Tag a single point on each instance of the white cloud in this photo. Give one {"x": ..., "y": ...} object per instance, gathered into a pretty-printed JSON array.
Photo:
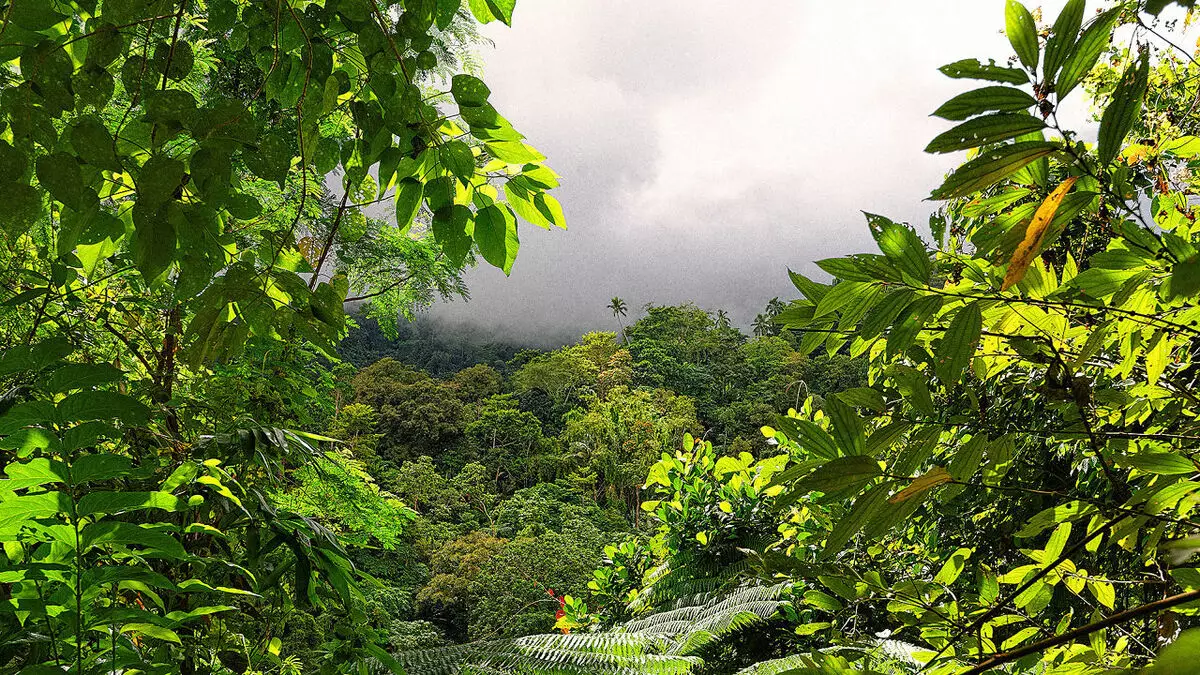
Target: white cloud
[{"x": 707, "y": 146}]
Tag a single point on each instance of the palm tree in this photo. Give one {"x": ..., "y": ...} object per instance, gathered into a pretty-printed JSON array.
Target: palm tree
[
  {"x": 774, "y": 307},
  {"x": 762, "y": 325},
  {"x": 617, "y": 305},
  {"x": 722, "y": 319}
]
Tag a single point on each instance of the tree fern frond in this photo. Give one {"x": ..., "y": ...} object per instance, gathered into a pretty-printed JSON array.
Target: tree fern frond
[{"x": 663, "y": 643}]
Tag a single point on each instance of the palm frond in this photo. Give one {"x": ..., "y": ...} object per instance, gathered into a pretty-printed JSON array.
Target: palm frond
[{"x": 663, "y": 643}]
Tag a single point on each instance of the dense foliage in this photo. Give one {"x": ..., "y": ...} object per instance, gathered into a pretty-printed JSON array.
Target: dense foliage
[{"x": 985, "y": 464}]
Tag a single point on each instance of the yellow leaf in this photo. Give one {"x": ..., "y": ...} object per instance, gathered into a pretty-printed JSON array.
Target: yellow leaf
[
  {"x": 932, "y": 478},
  {"x": 1034, "y": 234}
]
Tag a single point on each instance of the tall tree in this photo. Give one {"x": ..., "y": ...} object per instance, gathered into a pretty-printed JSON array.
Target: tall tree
[{"x": 617, "y": 306}]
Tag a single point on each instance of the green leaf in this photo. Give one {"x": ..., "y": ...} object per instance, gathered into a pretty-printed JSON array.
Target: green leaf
[
  {"x": 973, "y": 69},
  {"x": 547, "y": 205},
  {"x": 901, "y": 245},
  {"x": 470, "y": 91},
  {"x": 958, "y": 345},
  {"x": 822, "y": 601},
  {"x": 60, "y": 174},
  {"x": 863, "y": 397},
  {"x": 74, "y": 376},
  {"x": 1084, "y": 54},
  {"x": 21, "y": 208},
  {"x": 866, "y": 508},
  {"x": 967, "y": 458},
  {"x": 910, "y": 322},
  {"x": 486, "y": 11},
  {"x": 102, "y": 405},
  {"x": 408, "y": 201},
  {"x": 1185, "y": 277},
  {"x": 1022, "y": 32},
  {"x": 848, "y": 427},
  {"x": 983, "y": 100},
  {"x": 985, "y": 131},
  {"x": 953, "y": 567},
  {"x": 1124, "y": 108},
  {"x": 152, "y": 631},
  {"x": 100, "y": 466},
  {"x": 1062, "y": 37},
  {"x": 108, "y": 533},
  {"x": 1180, "y": 656},
  {"x": 809, "y": 436},
  {"x": 513, "y": 152},
  {"x": 456, "y": 156},
  {"x": 990, "y": 167},
  {"x": 450, "y": 232},
  {"x": 1159, "y": 463},
  {"x": 35, "y": 357},
  {"x": 110, "y": 503},
  {"x": 843, "y": 473},
  {"x": 520, "y": 198},
  {"x": 496, "y": 235},
  {"x": 154, "y": 241}
]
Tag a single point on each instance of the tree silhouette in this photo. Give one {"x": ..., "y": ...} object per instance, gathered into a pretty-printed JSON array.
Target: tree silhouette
[
  {"x": 763, "y": 326},
  {"x": 617, "y": 305},
  {"x": 722, "y": 319}
]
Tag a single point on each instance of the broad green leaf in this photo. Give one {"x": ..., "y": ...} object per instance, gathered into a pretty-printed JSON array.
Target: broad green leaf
[
  {"x": 991, "y": 167},
  {"x": 985, "y": 100},
  {"x": 959, "y": 342},
  {"x": 1103, "y": 591},
  {"x": 154, "y": 543},
  {"x": 469, "y": 90},
  {"x": 1123, "y": 109},
  {"x": 1082, "y": 57},
  {"x": 449, "y": 227},
  {"x": 152, "y": 631},
  {"x": 100, "y": 466},
  {"x": 496, "y": 236},
  {"x": 102, "y": 405},
  {"x": 973, "y": 69},
  {"x": 1022, "y": 32},
  {"x": 985, "y": 130},
  {"x": 1062, "y": 37},
  {"x": 408, "y": 201},
  {"x": 863, "y": 397},
  {"x": 457, "y": 157},
  {"x": 953, "y": 567},
  {"x": 901, "y": 245},
  {"x": 843, "y": 473},
  {"x": 910, "y": 322},
  {"x": 110, "y": 503},
  {"x": 74, "y": 376},
  {"x": 1160, "y": 463},
  {"x": 486, "y": 11},
  {"x": 1181, "y": 655},
  {"x": 967, "y": 458},
  {"x": 848, "y": 427},
  {"x": 822, "y": 601},
  {"x": 809, "y": 436},
  {"x": 867, "y": 507}
]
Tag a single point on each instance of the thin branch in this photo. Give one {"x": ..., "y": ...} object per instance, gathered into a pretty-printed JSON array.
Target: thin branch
[{"x": 1071, "y": 635}]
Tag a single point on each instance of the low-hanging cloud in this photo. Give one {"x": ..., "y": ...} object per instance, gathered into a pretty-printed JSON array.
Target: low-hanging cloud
[{"x": 706, "y": 147}]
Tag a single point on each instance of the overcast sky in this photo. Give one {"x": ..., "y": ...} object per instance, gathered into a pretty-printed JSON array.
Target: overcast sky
[{"x": 707, "y": 146}]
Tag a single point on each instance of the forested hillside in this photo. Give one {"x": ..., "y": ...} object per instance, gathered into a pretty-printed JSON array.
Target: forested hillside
[{"x": 228, "y": 448}]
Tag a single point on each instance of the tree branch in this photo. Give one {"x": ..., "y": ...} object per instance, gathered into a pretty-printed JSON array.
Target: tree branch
[{"x": 1071, "y": 635}]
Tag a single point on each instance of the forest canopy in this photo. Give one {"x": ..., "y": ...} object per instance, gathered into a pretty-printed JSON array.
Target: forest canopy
[{"x": 226, "y": 448}]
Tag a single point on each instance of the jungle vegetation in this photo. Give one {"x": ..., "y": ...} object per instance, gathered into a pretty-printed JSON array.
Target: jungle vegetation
[{"x": 972, "y": 451}]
